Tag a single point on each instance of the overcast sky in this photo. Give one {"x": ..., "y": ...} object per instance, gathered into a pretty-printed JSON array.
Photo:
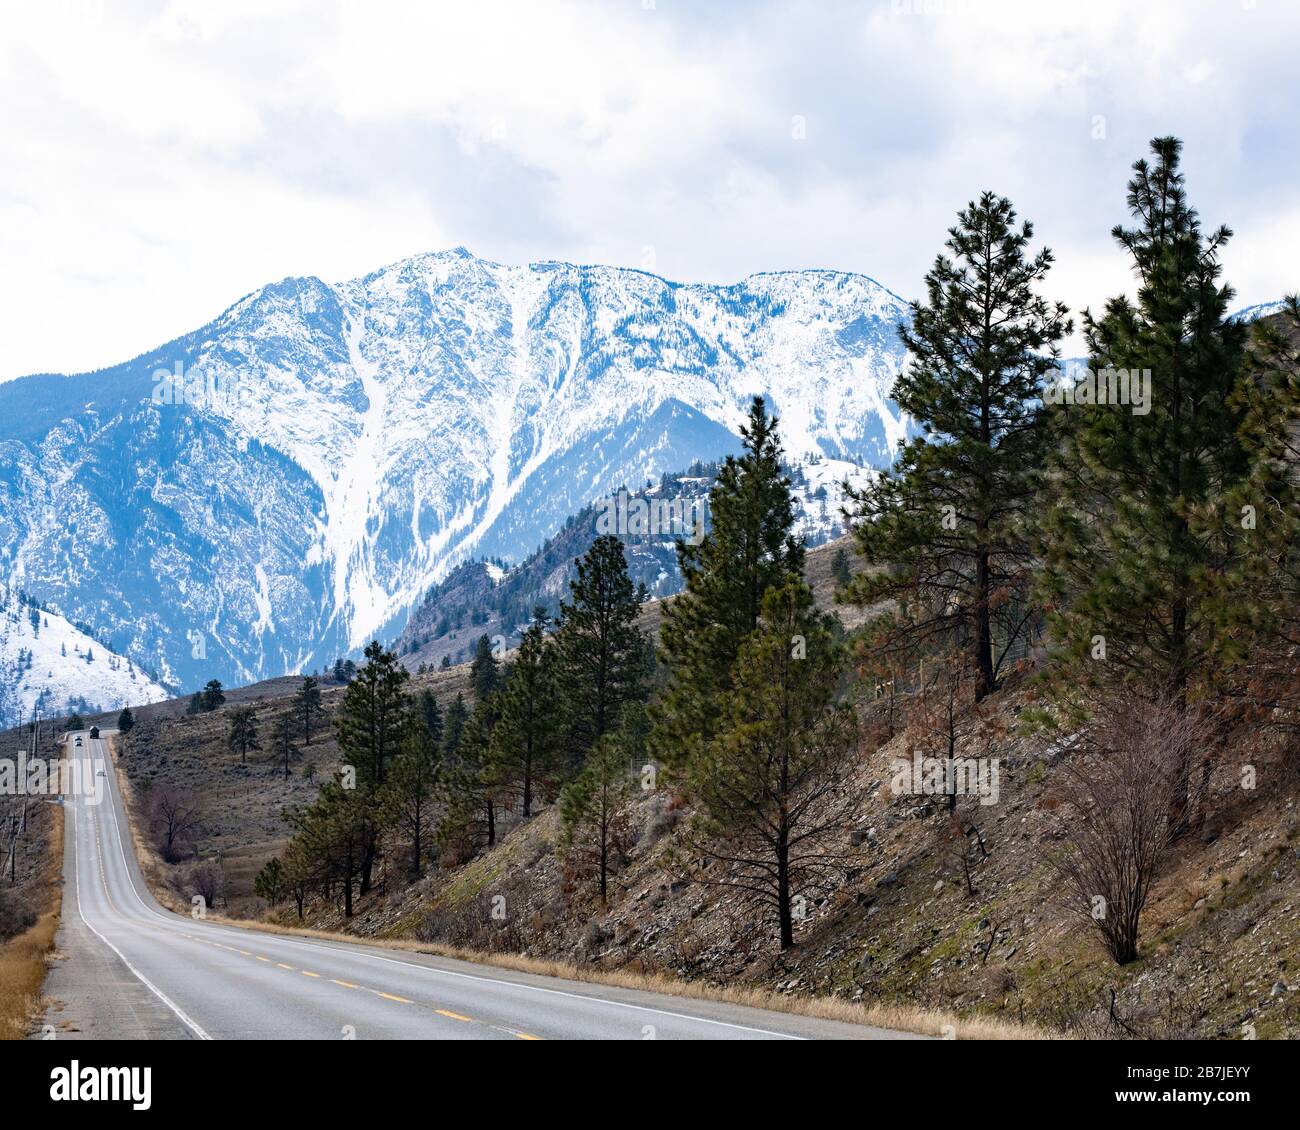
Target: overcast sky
[{"x": 160, "y": 160}]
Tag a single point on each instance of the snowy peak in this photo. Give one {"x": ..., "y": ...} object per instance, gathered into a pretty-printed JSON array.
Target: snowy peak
[{"x": 289, "y": 480}]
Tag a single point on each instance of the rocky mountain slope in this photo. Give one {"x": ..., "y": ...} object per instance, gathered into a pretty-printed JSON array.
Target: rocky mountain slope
[
  {"x": 271, "y": 490},
  {"x": 485, "y": 597}
]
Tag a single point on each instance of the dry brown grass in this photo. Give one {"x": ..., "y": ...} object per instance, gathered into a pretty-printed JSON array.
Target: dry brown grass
[
  {"x": 903, "y": 1018},
  {"x": 23, "y": 958},
  {"x": 152, "y": 866}
]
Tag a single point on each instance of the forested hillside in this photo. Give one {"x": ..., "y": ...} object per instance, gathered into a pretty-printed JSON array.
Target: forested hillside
[{"x": 1036, "y": 756}]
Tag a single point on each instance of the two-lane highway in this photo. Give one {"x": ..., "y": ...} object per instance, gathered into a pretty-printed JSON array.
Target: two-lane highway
[{"x": 132, "y": 969}]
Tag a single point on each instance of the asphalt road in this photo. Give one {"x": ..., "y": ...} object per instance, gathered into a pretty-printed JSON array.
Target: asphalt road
[{"x": 132, "y": 970}]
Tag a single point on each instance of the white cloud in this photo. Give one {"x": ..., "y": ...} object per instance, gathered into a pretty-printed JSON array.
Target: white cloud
[{"x": 164, "y": 159}]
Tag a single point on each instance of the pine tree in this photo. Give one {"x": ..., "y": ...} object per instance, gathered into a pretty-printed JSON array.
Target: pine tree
[
  {"x": 427, "y": 708},
  {"x": 242, "y": 735},
  {"x": 945, "y": 530},
  {"x": 601, "y": 656},
  {"x": 841, "y": 569},
  {"x": 372, "y": 714},
  {"x": 269, "y": 883},
  {"x": 772, "y": 787},
  {"x": 748, "y": 548},
  {"x": 454, "y": 726},
  {"x": 469, "y": 785},
  {"x": 125, "y": 720},
  {"x": 595, "y": 829},
  {"x": 409, "y": 795},
  {"x": 285, "y": 748},
  {"x": 1129, "y": 574},
  {"x": 1259, "y": 637},
  {"x": 525, "y": 747},
  {"x": 334, "y": 835},
  {"x": 307, "y": 705},
  {"x": 484, "y": 671},
  {"x": 370, "y": 722},
  {"x": 212, "y": 695}
]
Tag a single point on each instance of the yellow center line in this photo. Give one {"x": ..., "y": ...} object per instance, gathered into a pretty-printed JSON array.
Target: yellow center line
[
  {"x": 453, "y": 1015},
  {"x": 345, "y": 984},
  {"x": 282, "y": 965},
  {"x": 400, "y": 1000},
  {"x": 261, "y": 958},
  {"x": 246, "y": 953},
  {"x": 526, "y": 1036},
  {"x": 306, "y": 973}
]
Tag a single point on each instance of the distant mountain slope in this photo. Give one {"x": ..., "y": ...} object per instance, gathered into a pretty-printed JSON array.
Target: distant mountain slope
[
  {"x": 271, "y": 490},
  {"x": 51, "y": 665},
  {"x": 485, "y": 597}
]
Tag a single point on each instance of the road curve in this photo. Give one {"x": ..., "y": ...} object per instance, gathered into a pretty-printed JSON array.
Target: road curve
[{"x": 132, "y": 969}]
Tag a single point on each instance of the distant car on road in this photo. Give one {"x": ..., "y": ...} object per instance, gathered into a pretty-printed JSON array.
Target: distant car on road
[
  {"x": 94, "y": 731},
  {"x": 78, "y": 741}
]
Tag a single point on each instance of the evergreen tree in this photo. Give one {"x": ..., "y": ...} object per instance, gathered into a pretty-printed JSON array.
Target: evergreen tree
[
  {"x": 427, "y": 708},
  {"x": 484, "y": 671},
  {"x": 1127, "y": 570},
  {"x": 213, "y": 695},
  {"x": 409, "y": 794},
  {"x": 370, "y": 722},
  {"x": 454, "y": 726},
  {"x": 334, "y": 835},
  {"x": 242, "y": 735},
  {"x": 748, "y": 548},
  {"x": 469, "y": 783},
  {"x": 269, "y": 883},
  {"x": 1259, "y": 637},
  {"x": 125, "y": 720},
  {"x": 372, "y": 714},
  {"x": 772, "y": 787},
  {"x": 841, "y": 569},
  {"x": 307, "y": 705},
  {"x": 601, "y": 654},
  {"x": 285, "y": 748},
  {"x": 524, "y": 749},
  {"x": 945, "y": 530},
  {"x": 595, "y": 829}
]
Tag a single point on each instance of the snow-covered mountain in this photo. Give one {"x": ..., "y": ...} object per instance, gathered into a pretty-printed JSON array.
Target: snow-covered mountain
[
  {"x": 271, "y": 490},
  {"x": 49, "y": 664}
]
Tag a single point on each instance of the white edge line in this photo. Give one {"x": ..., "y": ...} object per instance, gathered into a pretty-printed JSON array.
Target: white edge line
[
  {"x": 358, "y": 951},
  {"x": 193, "y": 1027}
]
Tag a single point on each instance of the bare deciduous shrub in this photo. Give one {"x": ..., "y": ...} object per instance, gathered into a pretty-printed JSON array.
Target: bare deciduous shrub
[
  {"x": 205, "y": 880},
  {"x": 172, "y": 815},
  {"x": 15, "y": 914},
  {"x": 1118, "y": 790}
]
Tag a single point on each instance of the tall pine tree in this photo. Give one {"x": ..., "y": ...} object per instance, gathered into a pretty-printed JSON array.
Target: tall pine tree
[
  {"x": 748, "y": 549},
  {"x": 1129, "y": 571},
  {"x": 525, "y": 745},
  {"x": 601, "y": 654},
  {"x": 370, "y": 722},
  {"x": 1259, "y": 598},
  {"x": 409, "y": 795},
  {"x": 772, "y": 787},
  {"x": 944, "y": 531}
]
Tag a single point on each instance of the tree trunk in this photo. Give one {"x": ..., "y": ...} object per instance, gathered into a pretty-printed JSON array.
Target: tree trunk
[
  {"x": 367, "y": 866},
  {"x": 783, "y": 889},
  {"x": 983, "y": 629}
]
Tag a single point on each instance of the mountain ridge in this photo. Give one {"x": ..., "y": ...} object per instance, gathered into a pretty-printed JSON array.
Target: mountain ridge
[{"x": 287, "y": 480}]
